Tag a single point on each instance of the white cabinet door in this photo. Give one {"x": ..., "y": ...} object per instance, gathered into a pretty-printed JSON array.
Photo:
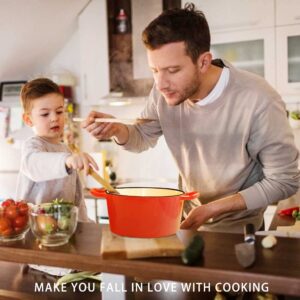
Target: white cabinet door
[
  {"x": 288, "y": 59},
  {"x": 287, "y": 12},
  {"x": 236, "y": 14},
  {"x": 251, "y": 50},
  {"x": 93, "y": 33}
]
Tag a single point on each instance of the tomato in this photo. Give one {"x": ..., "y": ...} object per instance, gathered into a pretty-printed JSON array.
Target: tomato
[
  {"x": 23, "y": 208},
  {"x": 8, "y": 202},
  {"x": 18, "y": 230},
  {"x": 7, "y": 232},
  {"x": 20, "y": 222},
  {"x": 5, "y": 225},
  {"x": 18, "y": 203},
  {"x": 11, "y": 212}
]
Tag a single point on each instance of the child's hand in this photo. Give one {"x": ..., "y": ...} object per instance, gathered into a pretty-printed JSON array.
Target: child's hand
[{"x": 81, "y": 161}]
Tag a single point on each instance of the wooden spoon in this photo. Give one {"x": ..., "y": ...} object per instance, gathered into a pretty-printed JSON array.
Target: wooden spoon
[
  {"x": 115, "y": 120},
  {"x": 102, "y": 181}
]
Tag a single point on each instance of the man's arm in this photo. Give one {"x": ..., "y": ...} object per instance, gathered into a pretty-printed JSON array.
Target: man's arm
[
  {"x": 135, "y": 138},
  {"x": 199, "y": 215}
]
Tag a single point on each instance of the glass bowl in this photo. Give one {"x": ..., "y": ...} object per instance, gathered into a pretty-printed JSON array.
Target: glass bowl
[
  {"x": 53, "y": 223},
  {"x": 14, "y": 217}
]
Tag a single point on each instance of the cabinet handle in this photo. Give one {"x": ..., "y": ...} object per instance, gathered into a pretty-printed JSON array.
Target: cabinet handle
[{"x": 297, "y": 18}]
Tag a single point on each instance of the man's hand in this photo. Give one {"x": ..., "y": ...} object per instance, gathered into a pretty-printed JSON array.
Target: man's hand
[
  {"x": 199, "y": 215},
  {"x": 81, "y": 161},
  {"x": 103, "y": 131}
]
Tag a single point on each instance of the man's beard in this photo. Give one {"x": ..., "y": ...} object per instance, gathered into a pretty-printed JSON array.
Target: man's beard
[
  {"x": 187, "y": 92},
  {"x": 190, "y": 91}
]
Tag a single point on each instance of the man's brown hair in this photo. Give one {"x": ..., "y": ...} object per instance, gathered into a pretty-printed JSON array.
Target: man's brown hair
[
  {"x": 35, "y": 89},
  {"x": 186, "y": 25}
]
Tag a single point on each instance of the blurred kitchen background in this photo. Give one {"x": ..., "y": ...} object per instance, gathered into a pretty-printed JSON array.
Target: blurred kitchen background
[{"x": 92, "y": 49}]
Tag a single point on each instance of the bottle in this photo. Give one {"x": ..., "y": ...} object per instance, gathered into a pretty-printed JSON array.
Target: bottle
[{"x": 122, "y": 22}]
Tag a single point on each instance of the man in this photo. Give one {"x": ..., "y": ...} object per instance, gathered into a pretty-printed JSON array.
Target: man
[{"x": 226, "y": 128}]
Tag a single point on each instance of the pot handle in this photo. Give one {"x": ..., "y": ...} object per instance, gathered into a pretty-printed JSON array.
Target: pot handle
[
  {"x": 189, "y": 196},
  {"x": 99, "y": 193}
]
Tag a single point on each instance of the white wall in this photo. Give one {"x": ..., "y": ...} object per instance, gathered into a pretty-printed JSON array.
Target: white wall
[
  {"x": 67, "y": 61},
  {"x": 32, "y": 32},
  {"x": 9, "y": 166}
]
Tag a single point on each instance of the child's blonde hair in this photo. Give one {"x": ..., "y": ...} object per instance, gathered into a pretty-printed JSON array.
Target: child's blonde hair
[{"x": 35, "y": 89}]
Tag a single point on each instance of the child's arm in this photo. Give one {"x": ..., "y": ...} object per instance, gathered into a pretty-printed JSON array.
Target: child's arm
[
  {"x": 40, "y": 165},
  {"x": 44, "y": 166}
]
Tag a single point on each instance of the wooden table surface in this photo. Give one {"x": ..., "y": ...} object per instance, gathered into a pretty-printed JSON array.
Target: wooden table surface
[
  {"x": 17, "y": 281},
  {"x": 278, "y": 267}
]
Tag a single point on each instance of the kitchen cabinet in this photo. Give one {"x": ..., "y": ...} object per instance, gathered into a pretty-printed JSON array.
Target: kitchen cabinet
[
  {"x": 93, "y": 39},
  {"x": 288, "y": 59},
  {"x": 287, "y": 12},
  {"x": 236, "y": 14},
  {"x": 287, "y": 46},
  {"x": 251, "y": 50},
  {"x": 246, "y": 39}
]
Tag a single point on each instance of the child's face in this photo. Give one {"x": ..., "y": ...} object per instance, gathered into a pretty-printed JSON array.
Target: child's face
[{"x": 47, "y": 117}]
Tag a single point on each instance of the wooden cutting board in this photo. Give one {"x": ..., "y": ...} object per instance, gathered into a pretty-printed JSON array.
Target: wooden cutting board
[
  {"x": 117, "y": 247},
  {"x": 294, "y": 228}
]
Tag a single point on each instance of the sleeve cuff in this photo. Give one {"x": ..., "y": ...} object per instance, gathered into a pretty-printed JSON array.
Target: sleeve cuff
[
  {"x": 69, "y": 170},
  {"x": 127, "y": 145},
  {"x": 254, "y": 197}
]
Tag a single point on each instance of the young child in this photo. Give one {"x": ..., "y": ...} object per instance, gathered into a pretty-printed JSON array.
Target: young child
[{"x": 48, "y": 168}]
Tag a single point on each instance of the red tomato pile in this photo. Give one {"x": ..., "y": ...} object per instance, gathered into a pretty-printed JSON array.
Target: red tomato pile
[{"x": 13, "y": 217}]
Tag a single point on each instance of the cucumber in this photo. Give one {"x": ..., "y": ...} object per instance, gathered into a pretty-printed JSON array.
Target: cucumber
[{"x": 193, "y": 252}]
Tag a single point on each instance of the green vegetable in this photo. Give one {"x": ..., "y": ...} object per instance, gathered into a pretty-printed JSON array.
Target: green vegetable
[
  {"x": 78, "y": 276},
  {"x": 295, "y": 115},
  {"x": 49, "y": 228},
  {"x": 193, "y": 252},
  {"x": 63, "y": 223},
  {"x": 295, "y": 213}
]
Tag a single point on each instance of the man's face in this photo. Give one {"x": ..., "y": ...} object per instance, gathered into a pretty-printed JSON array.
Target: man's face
[{"x": 175, "y": 74}]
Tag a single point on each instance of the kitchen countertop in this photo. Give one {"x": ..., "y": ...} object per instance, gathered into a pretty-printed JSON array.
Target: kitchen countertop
[{"x": 83, "y": 253}]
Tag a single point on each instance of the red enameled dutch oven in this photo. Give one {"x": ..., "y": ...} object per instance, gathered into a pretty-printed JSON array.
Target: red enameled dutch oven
[{"x": 144, "y": 212}]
